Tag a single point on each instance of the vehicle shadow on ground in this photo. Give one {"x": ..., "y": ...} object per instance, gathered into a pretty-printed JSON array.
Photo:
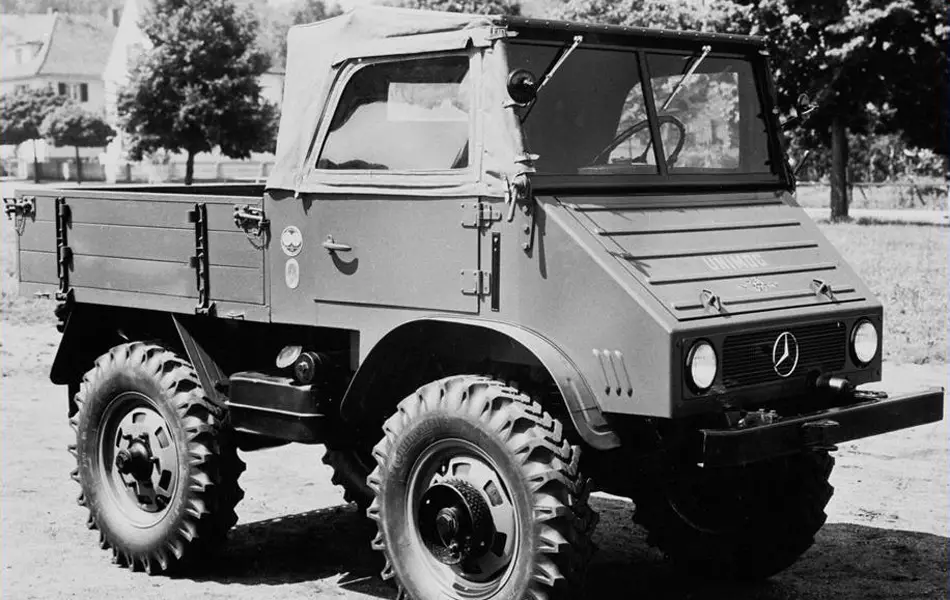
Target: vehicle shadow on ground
[
  {"x": 330, "y": 544},
  {"x": 848, "y": 562}
]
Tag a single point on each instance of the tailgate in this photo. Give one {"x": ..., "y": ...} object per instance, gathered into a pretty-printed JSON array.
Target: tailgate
[
  {"x": 138, "y": 249},
  {"x": 706, "y": 256}
]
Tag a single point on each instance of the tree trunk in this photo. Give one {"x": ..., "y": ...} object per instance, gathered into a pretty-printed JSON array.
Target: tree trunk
[
  {"x": 190, "y": 168},
  {"x": 839, "y": 170},
  {"x": 36, "y": 165},
  {"x": 78, "y": 166}
]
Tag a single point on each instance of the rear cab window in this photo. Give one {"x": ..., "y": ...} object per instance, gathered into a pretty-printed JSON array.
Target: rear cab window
[{"x": 403, "y": 115}]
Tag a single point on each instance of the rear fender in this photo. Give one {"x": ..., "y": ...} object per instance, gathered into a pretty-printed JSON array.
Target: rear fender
[{"x": 376, "y": 387}]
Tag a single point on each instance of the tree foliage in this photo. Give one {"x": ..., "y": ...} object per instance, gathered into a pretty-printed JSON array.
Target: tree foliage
[
  {"x": 197, "y": 87},
  {"x": 862, "y": 59},
  {"x": 71, "y": 125},
  {"x": 79, "y": 7},
  {"x": 481, "y": 7},
  {"x": 22, "y": 113},
  {"x": 715, "y": 15}
]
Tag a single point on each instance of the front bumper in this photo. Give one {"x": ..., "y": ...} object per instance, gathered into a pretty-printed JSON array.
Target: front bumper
[{"x": 820, "y": 430}]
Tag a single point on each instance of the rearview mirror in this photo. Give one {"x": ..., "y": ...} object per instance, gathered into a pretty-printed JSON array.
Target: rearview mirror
[{"x": 522, "y": 86}]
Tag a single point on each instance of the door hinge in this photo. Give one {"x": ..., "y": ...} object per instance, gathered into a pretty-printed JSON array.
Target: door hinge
[
  {"x": 201, "y": 262},
  {"x": 64, "y": 255},
  {"x": 475, "y": 282},
  {"x": 479, "y": 214}
]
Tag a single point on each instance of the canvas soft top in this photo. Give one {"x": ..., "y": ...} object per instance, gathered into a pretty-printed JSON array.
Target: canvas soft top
[{"x": 316, "y": 53}]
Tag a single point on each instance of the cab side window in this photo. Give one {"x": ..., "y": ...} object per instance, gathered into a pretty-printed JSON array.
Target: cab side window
[{"x": 408, "y": 115}]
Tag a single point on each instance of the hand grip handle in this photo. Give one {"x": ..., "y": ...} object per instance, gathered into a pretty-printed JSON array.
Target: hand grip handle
[{"x": 333, "y": 246}]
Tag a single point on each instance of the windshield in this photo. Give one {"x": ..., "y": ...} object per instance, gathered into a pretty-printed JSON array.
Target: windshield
[{"x": 592, "y": 117}]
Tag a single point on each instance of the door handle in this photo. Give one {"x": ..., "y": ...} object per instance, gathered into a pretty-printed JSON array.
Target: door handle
[{"x": 333, "y": 246}]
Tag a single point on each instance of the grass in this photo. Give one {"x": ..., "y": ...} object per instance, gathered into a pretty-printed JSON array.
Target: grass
[
  {"x": 883, "y": 196},
  {"x": 905, "y": 266}
]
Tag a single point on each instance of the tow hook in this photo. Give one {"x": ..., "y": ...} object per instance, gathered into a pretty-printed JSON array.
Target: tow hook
[{"x": 816, "y": 434}]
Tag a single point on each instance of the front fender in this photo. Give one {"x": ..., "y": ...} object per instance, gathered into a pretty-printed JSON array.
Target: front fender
[{"x": 368, "y": 388}]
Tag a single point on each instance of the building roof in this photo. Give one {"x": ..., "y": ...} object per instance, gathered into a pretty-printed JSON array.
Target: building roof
[{"x": 59, "y": 44}]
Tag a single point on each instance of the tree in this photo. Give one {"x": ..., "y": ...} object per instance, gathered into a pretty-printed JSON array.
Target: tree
[
  {"x": 481, "y": 7},
  {"x": 21, "y": 115},
  {"x": 70, "y": 125},
  {"x": 721, "y": 16},
  {"x": 197, "y": 87},
  {"x": 858, "y": 58}
]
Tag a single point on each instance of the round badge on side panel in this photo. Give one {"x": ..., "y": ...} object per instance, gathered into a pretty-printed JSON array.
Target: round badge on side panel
[
  {"x": 292, "y": 273},
  {"x": 291, "y": 240}
]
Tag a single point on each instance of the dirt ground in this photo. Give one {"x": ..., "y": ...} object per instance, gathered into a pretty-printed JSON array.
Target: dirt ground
[{"x": 886, "y": 537}]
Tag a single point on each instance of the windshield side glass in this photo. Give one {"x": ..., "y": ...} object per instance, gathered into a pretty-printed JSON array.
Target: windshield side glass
[
  {"x": 591, "y": 118},
  {"x": 594, "y": 96},
  {"x": 403, "y": 115},
  {"x": 717, "y": 119}
]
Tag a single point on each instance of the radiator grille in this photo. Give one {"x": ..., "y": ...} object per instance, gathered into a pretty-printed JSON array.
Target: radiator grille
[{"x": 747, "y": 358}]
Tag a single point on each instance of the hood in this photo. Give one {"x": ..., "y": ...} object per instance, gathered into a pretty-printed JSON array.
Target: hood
[{"x": 708, "y": 256}]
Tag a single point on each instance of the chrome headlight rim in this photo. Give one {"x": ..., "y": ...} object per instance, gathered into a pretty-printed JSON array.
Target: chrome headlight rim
[
  {"x": 688, "y": 371},
  {"x": 855, "y": 356}
]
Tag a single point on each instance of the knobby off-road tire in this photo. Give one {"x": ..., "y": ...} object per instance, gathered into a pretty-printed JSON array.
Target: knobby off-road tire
[
  {"x": 739, "y": 523},
  {"x": 172, "y": 493},
  {"x": 351, "y": 467},
  {"x": 469, "y": 441}
]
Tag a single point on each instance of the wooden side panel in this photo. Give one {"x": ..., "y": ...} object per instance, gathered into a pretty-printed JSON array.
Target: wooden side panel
[
  {"x": 140, "y": 246},
  {"x": 38, "y": 267}
]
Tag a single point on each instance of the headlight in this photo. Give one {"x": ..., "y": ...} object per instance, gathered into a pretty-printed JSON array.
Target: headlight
[
  {"x": 701, "y": 365},
  {"x": 864, "y": 342}
]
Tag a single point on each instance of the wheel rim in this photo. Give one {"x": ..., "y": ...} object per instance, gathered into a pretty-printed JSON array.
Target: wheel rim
[
  {"x": 139, "y": 458},
  {"x": 457, "y": 496}
]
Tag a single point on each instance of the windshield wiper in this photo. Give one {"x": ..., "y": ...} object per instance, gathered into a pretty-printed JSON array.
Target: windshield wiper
[
  {"x": 686, "y": 75},
  {"x": 552, "y": 68}
]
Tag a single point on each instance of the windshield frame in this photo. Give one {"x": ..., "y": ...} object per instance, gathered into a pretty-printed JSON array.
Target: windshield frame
[{"x": 746, "y": 48}]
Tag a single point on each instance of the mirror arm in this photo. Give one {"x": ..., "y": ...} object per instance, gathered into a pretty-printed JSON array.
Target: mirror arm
[{"x": 560, "y": 61}]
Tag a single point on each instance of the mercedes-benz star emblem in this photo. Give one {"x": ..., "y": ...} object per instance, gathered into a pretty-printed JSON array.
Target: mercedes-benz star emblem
[{"x": 785, "y": 354}]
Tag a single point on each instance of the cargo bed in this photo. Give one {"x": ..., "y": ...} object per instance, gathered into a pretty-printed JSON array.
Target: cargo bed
[{"x": 150, "y": 247}]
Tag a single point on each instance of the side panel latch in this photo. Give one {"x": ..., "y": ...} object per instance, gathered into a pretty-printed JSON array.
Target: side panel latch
[
  {"x": 20, "y": 209},
  {"x": 251, "y": 219}
]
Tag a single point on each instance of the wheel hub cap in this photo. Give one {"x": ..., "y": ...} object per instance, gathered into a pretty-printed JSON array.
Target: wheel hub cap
[
  {"x": 139, "y": 450},
  {"x": 455, "y": 521}
]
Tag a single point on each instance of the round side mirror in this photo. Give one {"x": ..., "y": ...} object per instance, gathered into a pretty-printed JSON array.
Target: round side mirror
[{"x": 522, "y": 86}]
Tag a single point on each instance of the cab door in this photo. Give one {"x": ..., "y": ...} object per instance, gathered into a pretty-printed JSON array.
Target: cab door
[{"x": 400, "y": 134}]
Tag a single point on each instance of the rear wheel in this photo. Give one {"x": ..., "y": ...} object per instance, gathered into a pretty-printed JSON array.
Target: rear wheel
[
  {"x": 351, "y": 467},
  {"x": 739, "y": 523},
  {"x": 478, "y": 495},
  {"x": 154, "y": 458}
]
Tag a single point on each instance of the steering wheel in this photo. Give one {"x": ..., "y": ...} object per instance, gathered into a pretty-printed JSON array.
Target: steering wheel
[{"x": 636, "y": 128}]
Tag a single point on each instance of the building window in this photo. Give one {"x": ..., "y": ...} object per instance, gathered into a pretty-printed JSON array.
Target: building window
[{"x": 75, "y": 91}]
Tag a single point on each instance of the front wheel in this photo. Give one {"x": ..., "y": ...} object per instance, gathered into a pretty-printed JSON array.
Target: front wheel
[
  {"x": 478, "y": 495},
  {"x": 738, "y": 523}
]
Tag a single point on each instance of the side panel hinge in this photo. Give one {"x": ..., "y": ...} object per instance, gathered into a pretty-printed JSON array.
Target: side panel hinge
[
  {"x": 479, "y": 214},
  {"x": 475, "y": 283},
  {"x": 201, "y": 261},
  {"x": 64, "y": 255}
]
